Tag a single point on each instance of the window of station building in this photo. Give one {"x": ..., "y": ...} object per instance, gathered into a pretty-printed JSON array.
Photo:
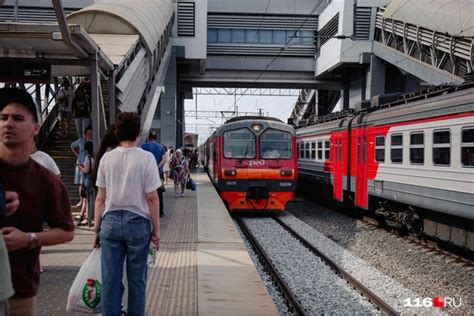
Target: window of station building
[
  {"x": 279, "y": 37},
  {"x": 442, "y": 147},
  {"x": 320, "y": 150},
  {"x": 238, "y": 36},
  {"x": 380, "y": 148},
  {"x": 262, "y": 36},
  {"x": 265, "y": 36},
  {"x": 212, "y": 35},
  {"x": 396, "y": 148},
  {"x": 467, "y": 147},
  {"x": 326, "y": 149},
  {"x": 239, "y": 143},
  {"x": 251, "y": 36},
  {"x": 224, "y": 35},
  {"x": 275, "y": 144},
  {"x": 417, "y": 148},
  {"x": 313, "y": 150}
]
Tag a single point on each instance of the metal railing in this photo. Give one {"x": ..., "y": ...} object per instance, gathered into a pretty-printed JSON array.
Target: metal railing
[{"x": 448, "y": 52}]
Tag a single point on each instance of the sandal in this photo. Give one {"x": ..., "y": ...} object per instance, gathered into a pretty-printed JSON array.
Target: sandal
[{"x": 84, "y": 222}]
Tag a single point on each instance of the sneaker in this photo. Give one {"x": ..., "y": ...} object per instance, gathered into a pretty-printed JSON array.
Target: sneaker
[
  {"x": 177, "y": 195},
  {"x": 182, "y": 194},
  {"x": 41, "y": 269}
]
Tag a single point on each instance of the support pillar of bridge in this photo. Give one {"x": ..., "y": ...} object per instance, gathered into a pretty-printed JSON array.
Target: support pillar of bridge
[
  {"x": 375, "y": 77},
  {"x": 165, "y": 117}
]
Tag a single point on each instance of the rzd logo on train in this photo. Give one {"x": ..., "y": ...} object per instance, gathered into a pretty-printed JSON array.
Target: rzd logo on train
[{"x": 257, "y": 163}]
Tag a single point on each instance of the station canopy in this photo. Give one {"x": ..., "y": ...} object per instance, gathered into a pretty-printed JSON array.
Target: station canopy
[
  {"x": 116, "y": 25},
  {"x": 453, "y": 17}
]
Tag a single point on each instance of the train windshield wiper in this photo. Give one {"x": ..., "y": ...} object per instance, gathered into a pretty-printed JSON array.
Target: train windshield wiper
[{"x": 244, "y": 154}]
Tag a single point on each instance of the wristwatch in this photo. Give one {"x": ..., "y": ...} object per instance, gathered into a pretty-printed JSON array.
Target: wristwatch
[{"x": 33, "y": 241}]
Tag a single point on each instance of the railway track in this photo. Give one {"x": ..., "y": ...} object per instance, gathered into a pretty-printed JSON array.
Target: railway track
[
  {"x": 292, "y": 300},
  {"x": 450, "y": 252}
]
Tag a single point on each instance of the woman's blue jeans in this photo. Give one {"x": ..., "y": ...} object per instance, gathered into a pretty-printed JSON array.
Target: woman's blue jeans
[{"x": 124, "y": 235}]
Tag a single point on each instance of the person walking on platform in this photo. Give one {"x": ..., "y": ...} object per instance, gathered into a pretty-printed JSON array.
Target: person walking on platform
[
  {"x": 159, "y": 153},
  {"x": 81, "y": 110},
  {"x": 44, "y": 159},
  {"x": 126, "y": 217},
  {"x": 166, "y": 167},
  {"x": 180, "y": 171},
  {"x": 42, "y": 195},
  {"x": 64, "y": 97},
  {"x": 77, "y": 147}
]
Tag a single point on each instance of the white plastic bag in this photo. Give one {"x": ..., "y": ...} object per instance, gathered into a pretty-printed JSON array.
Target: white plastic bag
[{"x": 85, "y": 293}]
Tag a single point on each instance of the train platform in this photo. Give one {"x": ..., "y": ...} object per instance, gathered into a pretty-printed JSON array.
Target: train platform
[{"x": 203, "y": 267}]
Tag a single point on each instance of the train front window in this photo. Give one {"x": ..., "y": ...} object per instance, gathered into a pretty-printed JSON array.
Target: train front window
[
  {"x": 239, "y": 143},
  {"x": 276, "y": 144}
]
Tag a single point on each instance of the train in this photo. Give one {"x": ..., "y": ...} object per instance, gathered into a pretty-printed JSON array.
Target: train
[
  {"x": 252, "y": 162},
  {"x": 408, "y": 162}
]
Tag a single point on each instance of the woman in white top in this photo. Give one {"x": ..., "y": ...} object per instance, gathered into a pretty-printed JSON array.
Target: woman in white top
[{"x": 126, "y": 216}]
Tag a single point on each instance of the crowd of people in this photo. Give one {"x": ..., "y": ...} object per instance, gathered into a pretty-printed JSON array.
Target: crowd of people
[
  {"x": 74, "y": 104},
  {"x": 125, "y": 180}
]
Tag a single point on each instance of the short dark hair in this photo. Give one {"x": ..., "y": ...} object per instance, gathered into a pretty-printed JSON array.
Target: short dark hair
[
  {"x": 16, "y": 95},
  {"x": 152, "y": 135},
  {"x": 127, "y": 126},
  {"x": 89, "y": 148}
]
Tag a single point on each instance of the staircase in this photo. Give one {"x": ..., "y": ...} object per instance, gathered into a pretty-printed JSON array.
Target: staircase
[{"x": 60, "y": 149}]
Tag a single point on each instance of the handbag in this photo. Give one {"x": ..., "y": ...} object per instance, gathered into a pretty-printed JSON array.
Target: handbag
[
  {"x": 85, "y": 293},
  {"x": 189, "y": 183}
]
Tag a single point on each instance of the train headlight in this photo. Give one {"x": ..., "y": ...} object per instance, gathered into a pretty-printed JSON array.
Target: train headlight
[
  {"x": 286, "y": 173},
  {"x": 230, "y": 172},
  {"x": 257, "y": 128}
]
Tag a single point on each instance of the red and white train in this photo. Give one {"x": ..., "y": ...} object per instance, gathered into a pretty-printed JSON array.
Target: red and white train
[
  {"x": 252, "y": 163},
  {"x": 411, "y": 162}
]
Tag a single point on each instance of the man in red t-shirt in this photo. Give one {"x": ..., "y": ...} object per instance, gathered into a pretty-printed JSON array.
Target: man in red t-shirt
[{"x": 42, "y": 197}]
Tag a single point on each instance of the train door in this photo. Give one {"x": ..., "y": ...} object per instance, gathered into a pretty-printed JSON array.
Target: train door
[
  {"x": 338, "y": 167},
  {"x": 361, "y": 168}
]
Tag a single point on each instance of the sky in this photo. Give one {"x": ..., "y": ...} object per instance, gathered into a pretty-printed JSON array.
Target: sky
[{"x": 275, "y": 106}]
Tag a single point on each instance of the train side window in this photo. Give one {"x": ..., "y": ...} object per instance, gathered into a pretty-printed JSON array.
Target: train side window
[
  {"x": 301, "y": 151},
  {"x": 320, "y": 150},
  {"x": 298, "y": 149},
  {"x": 442, "y": 148},
  {"x": 467, "y": 147},
  {"x": 380, "y": 148},
  {"x": 417, "y": 148},
  {"x": 326, "y": 150},
  {"x": 313, "y": 150},
  {"x": 307, "y": 150},
  {"x": 396, "y": 148},
  {"x": 239, "y": 143}
]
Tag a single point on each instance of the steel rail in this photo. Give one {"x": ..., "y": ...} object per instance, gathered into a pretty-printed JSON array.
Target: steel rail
[
  {"x": 291, "y": 300},
  {"x": 377, "y": 301}
]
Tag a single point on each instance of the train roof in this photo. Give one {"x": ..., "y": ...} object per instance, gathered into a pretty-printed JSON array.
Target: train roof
[
  {"x": 440, "y": 100},
  {"x": 254, "y": 117}
]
